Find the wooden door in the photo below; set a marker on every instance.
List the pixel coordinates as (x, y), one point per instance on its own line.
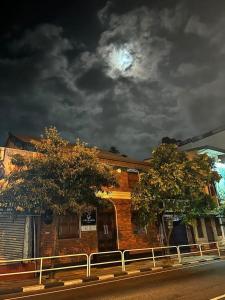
(209, 230)
(106, 225)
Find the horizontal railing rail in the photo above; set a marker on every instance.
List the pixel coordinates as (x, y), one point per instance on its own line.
(105, 262)
(40, 270)
(116, 256)
(153, 256)
(200, 247)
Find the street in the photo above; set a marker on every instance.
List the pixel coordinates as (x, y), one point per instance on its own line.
(205, 281)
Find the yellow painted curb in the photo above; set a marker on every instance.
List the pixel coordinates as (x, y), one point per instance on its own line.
(157, 268)
(32, 288)
(73, 282)
(105, 277)
(133, 272)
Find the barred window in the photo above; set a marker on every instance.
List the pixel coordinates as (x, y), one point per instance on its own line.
(69, 226)
(133, 179)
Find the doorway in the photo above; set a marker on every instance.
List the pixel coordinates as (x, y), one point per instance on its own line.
(106, 226)
(179, 234)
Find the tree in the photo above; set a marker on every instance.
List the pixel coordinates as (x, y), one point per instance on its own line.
(113, 149)
(60, 177)
(168, 140)
(174, 184)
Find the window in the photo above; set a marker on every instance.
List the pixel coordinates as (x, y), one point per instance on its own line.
(199, 228)
(69, 226)
(218, 227)
(132, 179)
(137, 228)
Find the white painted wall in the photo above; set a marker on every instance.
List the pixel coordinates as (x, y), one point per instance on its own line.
(216, 140)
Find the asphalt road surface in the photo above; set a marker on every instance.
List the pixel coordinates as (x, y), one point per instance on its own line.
(202, 282)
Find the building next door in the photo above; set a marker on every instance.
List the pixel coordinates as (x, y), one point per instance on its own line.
(106, 226)
(209, 230)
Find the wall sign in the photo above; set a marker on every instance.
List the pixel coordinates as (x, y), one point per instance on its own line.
(88, 220)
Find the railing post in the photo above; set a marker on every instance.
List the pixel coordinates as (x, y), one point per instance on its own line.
(218, 248)
(200, 249)
(178, 254)
(87, 269)
(89, 266)
(40, 271)
(123, 261)
(153, 257)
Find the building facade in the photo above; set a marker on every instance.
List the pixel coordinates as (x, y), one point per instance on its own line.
(211, 143)
(96, 229)
(103, 229)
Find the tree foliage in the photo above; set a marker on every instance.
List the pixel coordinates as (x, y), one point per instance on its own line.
(175, 184)
(60, 177)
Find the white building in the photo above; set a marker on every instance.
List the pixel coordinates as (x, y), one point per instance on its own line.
(213, 144)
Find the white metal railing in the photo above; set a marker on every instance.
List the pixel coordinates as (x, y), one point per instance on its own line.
(88, 262)
(104, 262)
(153, 256)
(200, 251)
(40, 270)
(167, 249)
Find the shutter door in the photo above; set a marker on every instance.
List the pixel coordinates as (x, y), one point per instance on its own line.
(11, 237)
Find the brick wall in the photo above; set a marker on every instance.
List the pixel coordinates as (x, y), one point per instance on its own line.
(128, 239)
(88, 242)
(51, 245)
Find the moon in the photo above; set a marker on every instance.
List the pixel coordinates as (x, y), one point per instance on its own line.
(121, 58)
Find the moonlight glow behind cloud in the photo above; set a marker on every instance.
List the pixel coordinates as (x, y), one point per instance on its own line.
(121, 59)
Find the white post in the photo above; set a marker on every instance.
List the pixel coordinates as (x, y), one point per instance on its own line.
(178, 254)
(200, 249)
(218, 247)
(87, 270)
(153, 257)
(89, 266)
(40, 271)
(123, 261)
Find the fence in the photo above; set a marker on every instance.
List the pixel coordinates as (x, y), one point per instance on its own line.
(200, 248)
(153, 257)
(124, 258)
(39, 264)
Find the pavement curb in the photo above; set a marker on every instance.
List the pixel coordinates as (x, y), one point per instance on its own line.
(79, 281)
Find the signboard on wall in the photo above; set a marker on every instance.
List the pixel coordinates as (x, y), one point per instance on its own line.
(88, 220)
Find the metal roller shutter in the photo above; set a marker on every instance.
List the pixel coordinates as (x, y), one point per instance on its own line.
(11, 237)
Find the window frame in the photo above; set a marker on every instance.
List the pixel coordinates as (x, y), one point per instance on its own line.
(130, 181)
(70, 236)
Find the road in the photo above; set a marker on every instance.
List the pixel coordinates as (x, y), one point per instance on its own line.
(202, 282)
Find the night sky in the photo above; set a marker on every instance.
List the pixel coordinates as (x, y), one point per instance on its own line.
(124, 73)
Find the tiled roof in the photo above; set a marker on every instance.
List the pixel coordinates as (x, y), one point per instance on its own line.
(103, 154)
(202, 136)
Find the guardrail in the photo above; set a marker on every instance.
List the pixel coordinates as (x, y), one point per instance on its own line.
(88, 260)
(200, 251)
(153, 257)
(40, 260)
(104, 262)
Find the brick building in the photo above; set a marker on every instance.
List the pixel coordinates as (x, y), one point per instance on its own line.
(102, 229)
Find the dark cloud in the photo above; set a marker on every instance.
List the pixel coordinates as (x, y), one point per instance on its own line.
(68, 70)
(94, 80)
